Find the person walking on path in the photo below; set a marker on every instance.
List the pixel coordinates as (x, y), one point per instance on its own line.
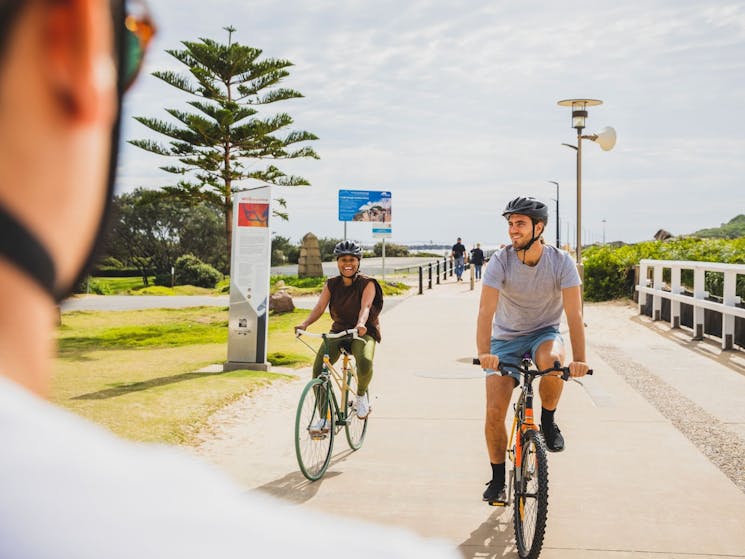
(354, 301)
(525, 287)
(69, 487)
(477, 260)
(458, 253)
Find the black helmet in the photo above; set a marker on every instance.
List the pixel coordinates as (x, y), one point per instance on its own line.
(347, 247)
(531, 207)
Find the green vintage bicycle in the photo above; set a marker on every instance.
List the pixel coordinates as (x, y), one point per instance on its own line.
(327, 404)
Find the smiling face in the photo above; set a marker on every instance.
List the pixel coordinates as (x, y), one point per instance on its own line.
(348, 265)
(520, 229)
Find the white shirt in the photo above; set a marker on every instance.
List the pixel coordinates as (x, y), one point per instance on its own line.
(71, 489)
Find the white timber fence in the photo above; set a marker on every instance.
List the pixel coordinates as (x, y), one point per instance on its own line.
(663, 296)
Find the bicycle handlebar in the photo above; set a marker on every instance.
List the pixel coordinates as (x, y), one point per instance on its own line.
(351, 332)
(565, 374)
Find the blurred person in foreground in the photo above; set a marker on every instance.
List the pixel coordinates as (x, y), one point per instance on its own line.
(69, 488)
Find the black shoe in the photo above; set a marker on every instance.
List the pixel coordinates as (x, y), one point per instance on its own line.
(495, 494)
(552, 434)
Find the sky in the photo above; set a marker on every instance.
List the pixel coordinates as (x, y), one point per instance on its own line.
(452, 106)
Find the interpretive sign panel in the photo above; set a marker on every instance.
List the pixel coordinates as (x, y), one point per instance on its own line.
(365, 205)
(249, 279)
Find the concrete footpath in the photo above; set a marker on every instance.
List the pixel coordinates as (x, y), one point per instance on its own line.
(655, 441)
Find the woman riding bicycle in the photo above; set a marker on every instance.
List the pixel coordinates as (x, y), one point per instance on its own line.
(354, 301)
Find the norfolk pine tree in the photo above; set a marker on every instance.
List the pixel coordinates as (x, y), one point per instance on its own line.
(220, 147)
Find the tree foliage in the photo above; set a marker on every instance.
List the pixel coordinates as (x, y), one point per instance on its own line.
(284, 251)
(219, 143)
(733, 229)
(150, 230)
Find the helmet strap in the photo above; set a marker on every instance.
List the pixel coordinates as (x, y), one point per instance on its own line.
(533, 239)
(20, 247)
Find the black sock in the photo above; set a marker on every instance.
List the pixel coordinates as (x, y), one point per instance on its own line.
(497, 473)
(547, 416)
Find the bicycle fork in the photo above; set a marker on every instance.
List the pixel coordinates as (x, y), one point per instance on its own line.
(523, 422)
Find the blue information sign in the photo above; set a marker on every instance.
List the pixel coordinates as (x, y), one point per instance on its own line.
(365, 205)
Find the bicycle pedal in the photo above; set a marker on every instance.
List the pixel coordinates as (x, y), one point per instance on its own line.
(318, 436)
(497, 503)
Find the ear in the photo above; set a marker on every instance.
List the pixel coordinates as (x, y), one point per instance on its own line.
(78, 49)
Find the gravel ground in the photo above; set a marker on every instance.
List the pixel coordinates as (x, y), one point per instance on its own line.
(711, 436)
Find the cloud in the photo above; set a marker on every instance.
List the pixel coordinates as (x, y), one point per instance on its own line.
(452, 106)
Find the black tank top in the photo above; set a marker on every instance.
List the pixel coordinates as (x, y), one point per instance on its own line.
(346, 302)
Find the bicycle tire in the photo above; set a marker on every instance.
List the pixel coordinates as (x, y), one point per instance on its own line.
(313, 451)
(354, 427)
(530, 508)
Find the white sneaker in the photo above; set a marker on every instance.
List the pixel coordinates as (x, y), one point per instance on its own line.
(319, 427)
(363, 406)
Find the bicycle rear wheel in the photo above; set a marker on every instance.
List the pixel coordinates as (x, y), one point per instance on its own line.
(313, 450)
(531, 495)
(354, 427)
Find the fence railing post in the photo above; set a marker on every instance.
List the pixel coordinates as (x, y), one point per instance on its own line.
(430, 275)
(656, 299)
(438, 272)
(699, 292)
(421, 282)
(675, 289)
(730, 299)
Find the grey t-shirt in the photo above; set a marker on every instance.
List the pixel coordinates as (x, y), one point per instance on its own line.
(529, 296)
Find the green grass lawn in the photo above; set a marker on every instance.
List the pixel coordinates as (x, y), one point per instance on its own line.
(134, 371)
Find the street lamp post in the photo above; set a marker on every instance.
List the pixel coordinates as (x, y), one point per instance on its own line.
(606, 139)
(558, 234)
(603, 231)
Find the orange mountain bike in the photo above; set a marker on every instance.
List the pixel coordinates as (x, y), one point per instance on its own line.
(527, 451)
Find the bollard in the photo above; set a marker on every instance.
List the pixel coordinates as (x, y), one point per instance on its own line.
(429, 267)
(421, 283)
(445, 270)
(438, 272)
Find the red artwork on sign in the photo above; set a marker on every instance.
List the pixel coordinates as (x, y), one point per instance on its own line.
(252, 214)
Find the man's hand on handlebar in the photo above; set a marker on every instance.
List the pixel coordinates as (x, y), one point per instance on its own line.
(361, 330)
(489, 361)
(578, 369)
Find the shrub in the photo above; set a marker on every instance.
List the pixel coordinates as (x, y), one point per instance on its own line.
(278, 257)
(192, 271)
(391, 249)
(98, 287)
(609, 271)
(607, 275)
(283, 251)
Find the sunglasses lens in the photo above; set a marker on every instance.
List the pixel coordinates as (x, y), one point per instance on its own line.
(133, 56)
(138, 30)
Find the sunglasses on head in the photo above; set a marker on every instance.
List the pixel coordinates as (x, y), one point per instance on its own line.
(137, 30)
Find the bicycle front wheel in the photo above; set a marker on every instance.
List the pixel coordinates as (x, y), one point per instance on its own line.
(354, 427)
(531, 495)
(314, 440)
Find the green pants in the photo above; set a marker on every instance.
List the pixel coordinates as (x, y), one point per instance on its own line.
(363, 350)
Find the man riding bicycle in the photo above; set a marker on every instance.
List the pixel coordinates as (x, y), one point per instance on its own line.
(525, 287)
(354, 301)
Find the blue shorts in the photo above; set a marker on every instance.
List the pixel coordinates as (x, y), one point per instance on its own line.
(512, 351)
